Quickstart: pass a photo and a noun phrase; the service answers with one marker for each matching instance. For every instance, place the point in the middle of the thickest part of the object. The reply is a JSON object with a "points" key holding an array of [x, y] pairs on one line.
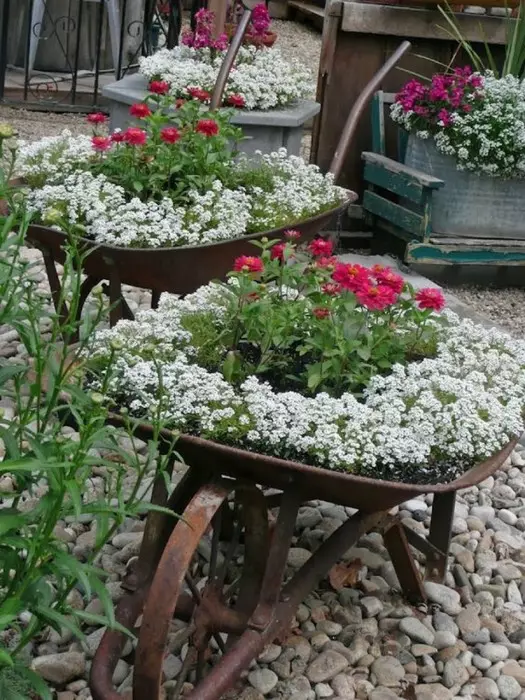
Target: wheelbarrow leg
{"points": [[409, 578], [440, 532]]}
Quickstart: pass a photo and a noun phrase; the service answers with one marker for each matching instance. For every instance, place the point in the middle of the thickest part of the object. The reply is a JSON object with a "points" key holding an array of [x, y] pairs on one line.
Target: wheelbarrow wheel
{"points": [[206, 585]]}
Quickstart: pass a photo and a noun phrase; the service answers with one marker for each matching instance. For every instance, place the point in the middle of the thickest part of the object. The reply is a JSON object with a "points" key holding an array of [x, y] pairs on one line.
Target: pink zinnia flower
{"points": [[326, 262], [135, 136], [97, 118], [376, 297], [386, 276], [140, 110], [101, 143], [321, 312], [170, 134], [331, 289], [248, 263], [117, 136], [159, 87], [351, 276], [198, 93], [236, 100], [319, 247], [430, 298], [292, 235], [207, 127], [277, 251]]}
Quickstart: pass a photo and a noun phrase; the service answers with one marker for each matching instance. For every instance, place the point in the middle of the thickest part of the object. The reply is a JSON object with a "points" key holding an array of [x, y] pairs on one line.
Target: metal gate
{"points": [[57, 55]]}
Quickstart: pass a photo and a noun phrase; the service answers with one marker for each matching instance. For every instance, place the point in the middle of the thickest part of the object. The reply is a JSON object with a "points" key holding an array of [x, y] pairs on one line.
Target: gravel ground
{"points": [[506, 307]]}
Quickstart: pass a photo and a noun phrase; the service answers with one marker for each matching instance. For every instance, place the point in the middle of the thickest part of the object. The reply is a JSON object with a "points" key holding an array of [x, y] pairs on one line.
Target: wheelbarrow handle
{"points": [[233, 50], [359, 106]]}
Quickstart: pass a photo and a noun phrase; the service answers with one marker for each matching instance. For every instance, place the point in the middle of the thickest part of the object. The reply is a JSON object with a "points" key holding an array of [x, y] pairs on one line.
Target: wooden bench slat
{"points": [[395, 167]]}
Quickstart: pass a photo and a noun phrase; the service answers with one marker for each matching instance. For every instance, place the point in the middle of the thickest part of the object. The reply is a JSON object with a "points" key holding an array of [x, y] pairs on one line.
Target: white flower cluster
{"points": [[490, 138], [462, 405], [298, 190], [53, 157], [110, 217], [263, 78]]}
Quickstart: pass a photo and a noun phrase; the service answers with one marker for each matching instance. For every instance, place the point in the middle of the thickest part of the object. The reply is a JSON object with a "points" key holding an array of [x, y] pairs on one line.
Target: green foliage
{"points": [[298, 320], [158, 168], [205, 338], [514, 57], [51, 466]]}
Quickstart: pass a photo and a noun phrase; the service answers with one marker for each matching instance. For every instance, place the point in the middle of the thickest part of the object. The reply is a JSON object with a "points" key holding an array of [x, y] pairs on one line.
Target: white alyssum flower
{"points": [[263, 78], [462, 405], [53, 157], [109, 216]]}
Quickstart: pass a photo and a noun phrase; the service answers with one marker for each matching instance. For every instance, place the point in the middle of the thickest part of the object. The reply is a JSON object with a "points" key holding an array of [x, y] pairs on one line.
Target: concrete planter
{"points": [[470, 205], [266, 131]]}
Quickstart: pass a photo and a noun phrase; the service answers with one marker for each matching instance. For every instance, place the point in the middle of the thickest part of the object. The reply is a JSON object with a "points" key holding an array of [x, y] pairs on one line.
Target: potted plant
{"points": [[468, 129], [314, 361], [270, 95], [166, 205]]}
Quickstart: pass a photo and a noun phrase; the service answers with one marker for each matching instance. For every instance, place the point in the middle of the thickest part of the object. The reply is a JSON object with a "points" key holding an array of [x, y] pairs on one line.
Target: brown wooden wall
{"points": [[357, 40]]}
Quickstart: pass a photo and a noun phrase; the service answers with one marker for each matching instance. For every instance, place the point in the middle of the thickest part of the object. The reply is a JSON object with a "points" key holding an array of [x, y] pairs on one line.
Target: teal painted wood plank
{"points": [[396, 214], [378, 123], [397, 167], [456, 255], [399, 183]]}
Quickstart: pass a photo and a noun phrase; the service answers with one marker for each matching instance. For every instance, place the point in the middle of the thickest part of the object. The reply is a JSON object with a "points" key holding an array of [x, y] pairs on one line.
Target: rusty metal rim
{"points": [[169, 577], [470, 478]]}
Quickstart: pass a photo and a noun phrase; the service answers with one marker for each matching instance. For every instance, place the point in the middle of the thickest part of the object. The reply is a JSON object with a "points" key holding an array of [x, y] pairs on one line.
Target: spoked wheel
{"points": [[210, 577]]}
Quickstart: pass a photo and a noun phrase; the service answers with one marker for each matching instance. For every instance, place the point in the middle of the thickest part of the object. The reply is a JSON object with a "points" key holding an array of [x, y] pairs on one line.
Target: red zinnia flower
{"points": [[277, 251], [331, 289], [320, 312], [248, 263], [170, 134], [135, 136], [430, 298], [140, 110], [292, 235], [101, 143], [207, 127], [376, 297], [179, 102], [198, 94], [236, 100], [320, 247], [386, 276], [159, 87], [351, 276], [96, 118], [117, 136]]}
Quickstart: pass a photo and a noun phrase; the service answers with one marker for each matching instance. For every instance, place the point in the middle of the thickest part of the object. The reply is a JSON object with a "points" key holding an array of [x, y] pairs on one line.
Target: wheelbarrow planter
{"points": [[178, 270], [228, 492]]}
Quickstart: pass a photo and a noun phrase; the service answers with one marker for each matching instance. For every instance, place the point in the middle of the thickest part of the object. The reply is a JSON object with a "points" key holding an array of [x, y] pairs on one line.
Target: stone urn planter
{"points": [[469, 205], [265, 131]]}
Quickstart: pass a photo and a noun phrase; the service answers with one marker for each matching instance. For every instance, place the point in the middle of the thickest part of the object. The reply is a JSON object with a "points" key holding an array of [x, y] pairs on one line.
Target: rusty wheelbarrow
{"points": [[216, 575]]}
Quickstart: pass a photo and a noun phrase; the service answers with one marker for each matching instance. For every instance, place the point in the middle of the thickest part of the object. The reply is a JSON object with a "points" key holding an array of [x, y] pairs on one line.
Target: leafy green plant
{"points": [[173, 151], [53, 433], [514, 57], [306, 322]]}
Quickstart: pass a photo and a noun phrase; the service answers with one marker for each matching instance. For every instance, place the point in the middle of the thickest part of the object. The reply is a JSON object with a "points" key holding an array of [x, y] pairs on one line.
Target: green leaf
{"points": [[93, 619], [57, 621], [364, 353], [6, 659], [10, 371], [76, 498]]}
